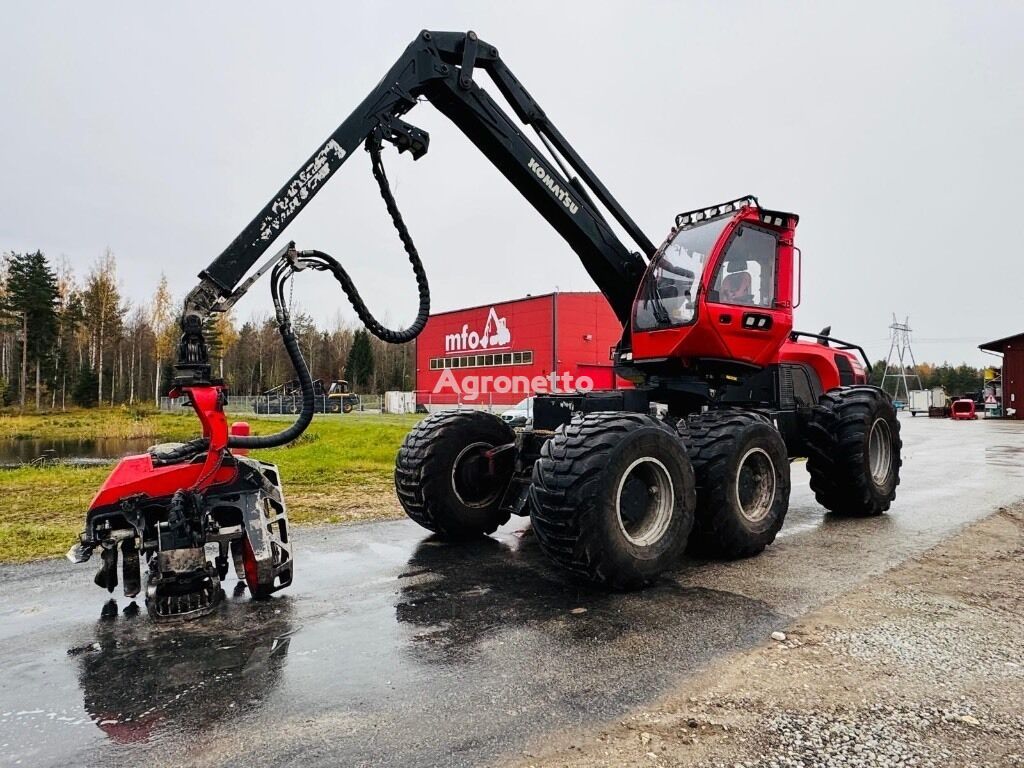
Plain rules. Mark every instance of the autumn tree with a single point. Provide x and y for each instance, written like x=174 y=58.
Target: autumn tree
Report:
x=161 y=320
x=104 y=316
x=226 y=335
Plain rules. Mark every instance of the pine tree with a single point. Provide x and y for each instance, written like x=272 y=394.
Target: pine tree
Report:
x=32 y=294
x=360 y=365
x=85 y=388
x=70 y=316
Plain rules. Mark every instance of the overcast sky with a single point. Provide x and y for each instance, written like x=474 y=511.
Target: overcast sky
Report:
x=893 y=129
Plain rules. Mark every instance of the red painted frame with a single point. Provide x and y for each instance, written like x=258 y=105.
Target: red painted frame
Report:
x=137 y=476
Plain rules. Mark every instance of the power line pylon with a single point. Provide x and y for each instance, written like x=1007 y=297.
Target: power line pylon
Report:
x=899 y=352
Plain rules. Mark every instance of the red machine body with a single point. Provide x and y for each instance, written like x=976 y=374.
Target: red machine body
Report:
x=138 y=476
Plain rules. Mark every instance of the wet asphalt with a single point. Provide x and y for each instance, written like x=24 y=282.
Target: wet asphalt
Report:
x=393 y=649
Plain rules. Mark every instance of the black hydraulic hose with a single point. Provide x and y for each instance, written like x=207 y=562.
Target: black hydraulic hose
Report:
x=291 y=345
x=321 y=261
x=329 y=264
x=178 y=453
x=297 y=427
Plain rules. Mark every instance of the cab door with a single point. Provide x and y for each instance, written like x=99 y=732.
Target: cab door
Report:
x=748 y=307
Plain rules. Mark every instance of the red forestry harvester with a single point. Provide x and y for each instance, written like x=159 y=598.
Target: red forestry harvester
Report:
x=617 y=483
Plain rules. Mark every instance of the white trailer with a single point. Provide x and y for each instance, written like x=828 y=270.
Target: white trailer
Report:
x=920 y=401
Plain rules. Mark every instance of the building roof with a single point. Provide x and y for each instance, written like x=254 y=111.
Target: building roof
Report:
x=527 y=297
x=1000 y=345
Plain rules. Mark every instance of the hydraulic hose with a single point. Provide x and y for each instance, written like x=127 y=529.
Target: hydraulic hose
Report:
x=321 y=261
x=297 y=427
x=291 y=344
x=294 y=430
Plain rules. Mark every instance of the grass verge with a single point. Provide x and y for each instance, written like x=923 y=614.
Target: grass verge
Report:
x=338 y=471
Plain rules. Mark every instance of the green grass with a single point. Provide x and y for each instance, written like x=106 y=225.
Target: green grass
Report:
x=338 y=471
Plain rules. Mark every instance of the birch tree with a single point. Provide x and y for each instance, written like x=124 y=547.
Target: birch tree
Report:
x=161 y=319
x=104 y=313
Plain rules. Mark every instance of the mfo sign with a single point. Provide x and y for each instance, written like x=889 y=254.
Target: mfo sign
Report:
x=495 y=335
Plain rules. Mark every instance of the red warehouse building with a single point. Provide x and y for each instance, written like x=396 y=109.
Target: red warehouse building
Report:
x=1012 y=350
x=497 y=354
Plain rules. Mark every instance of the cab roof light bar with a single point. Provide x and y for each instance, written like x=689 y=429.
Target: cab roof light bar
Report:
x=692 y=218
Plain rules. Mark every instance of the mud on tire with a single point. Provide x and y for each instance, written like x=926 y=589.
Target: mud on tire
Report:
x=854 y=451
x=742 y=471
x=612 y=498
x=440 y=478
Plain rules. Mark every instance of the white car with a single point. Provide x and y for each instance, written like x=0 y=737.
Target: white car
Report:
x=520 y=414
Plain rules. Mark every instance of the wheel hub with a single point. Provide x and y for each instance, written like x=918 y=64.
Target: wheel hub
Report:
x=472 y=480
x=755 y=485
x=644 y=501
x=880 y=452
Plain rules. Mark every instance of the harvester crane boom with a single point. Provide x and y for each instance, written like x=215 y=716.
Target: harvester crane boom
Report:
x=439 y=66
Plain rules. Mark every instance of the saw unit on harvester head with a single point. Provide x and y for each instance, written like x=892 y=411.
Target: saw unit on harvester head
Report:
x=618 y=483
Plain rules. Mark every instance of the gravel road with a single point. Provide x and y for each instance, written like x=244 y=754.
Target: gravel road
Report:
x=922 y=667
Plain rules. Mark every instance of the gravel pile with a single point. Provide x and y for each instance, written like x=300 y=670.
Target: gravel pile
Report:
x=943 y=650
x=938 y=640
x=925 y=668
x=883 y=736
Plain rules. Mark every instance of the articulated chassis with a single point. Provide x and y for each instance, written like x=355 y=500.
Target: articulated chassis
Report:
x=618 y=483
x=769 y=391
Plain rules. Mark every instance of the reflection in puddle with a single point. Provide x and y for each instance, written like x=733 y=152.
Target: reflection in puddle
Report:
x=459 y=599
x=138 y=677
x=1005 y=456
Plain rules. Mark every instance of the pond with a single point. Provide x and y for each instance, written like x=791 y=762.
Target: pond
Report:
x=100 y=451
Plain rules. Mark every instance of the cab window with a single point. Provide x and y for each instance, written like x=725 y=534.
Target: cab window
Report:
x=746 y=274
x=668 y=296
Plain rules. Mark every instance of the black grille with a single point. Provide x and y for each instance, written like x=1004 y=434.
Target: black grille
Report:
x=786 y=397
x=846 y=376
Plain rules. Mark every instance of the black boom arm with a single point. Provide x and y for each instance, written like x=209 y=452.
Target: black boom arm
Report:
x=439 y=67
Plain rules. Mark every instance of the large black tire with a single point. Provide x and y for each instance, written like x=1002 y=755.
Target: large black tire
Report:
x=854 y=451
x=742 y=470
x=440 y=477
x=612 y=498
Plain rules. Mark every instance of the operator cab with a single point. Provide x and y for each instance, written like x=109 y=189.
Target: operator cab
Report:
x=720 y=287
x=338 y=387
